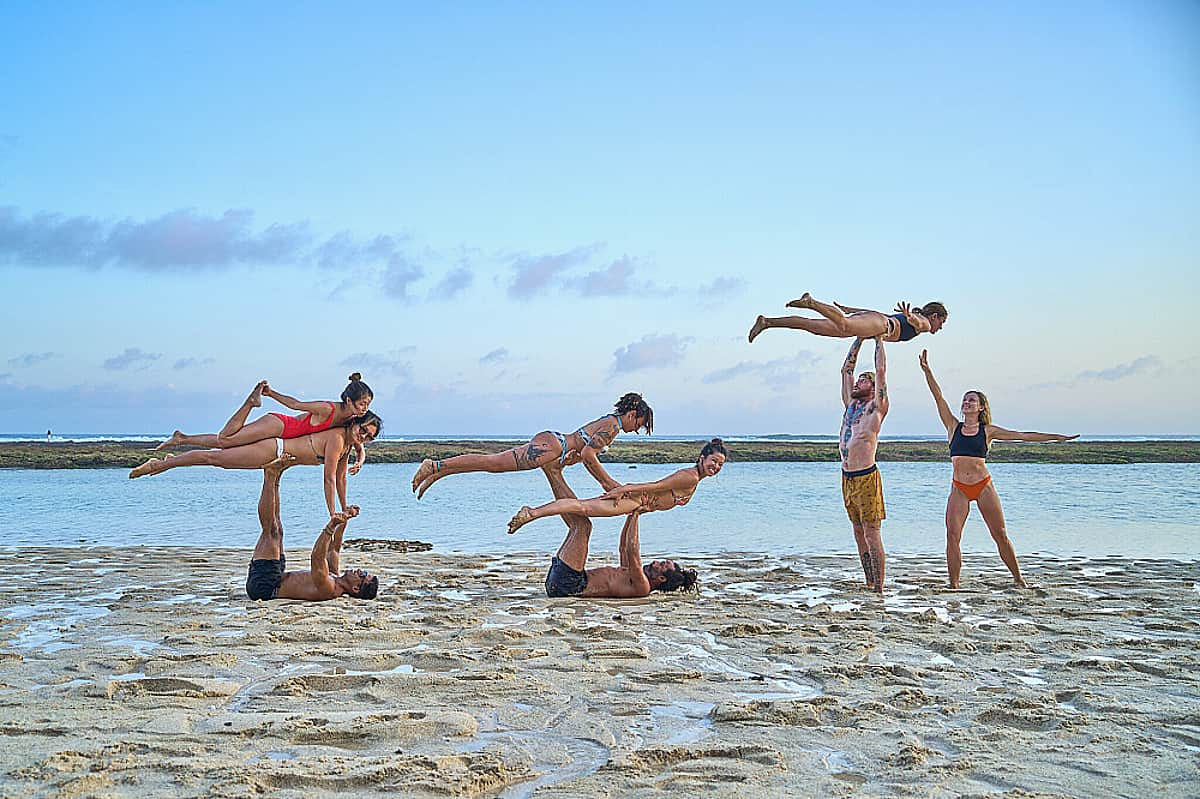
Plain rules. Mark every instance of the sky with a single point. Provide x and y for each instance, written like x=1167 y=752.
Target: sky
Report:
x=505 y=216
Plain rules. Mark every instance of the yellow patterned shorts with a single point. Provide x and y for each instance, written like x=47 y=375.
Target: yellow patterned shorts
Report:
x=863 y=494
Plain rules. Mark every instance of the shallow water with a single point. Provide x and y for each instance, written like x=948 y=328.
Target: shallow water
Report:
x=1136 y=510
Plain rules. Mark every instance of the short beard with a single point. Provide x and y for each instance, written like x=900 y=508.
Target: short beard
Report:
x=861 y=393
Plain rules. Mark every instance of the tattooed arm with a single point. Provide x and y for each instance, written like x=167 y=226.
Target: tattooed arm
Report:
x=881 y=401
x=848 y=371
x=590 y=455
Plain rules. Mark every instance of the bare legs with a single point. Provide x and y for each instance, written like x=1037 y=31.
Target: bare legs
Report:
x=236 y=432
x=249 y=456
x=592 y=508
x=542 y=449
x=836 y=324
x=270 y=542
x=574 y=549
x=957 y=509
x=868 y=538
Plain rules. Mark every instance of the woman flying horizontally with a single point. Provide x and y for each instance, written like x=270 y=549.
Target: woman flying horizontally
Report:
x=313 y=418
x=969 y=442
x=673 y=491
x=330 y=448
x=585 y=444
x=840 y=321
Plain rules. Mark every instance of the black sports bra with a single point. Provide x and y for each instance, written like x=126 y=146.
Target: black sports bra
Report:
x=972 y=446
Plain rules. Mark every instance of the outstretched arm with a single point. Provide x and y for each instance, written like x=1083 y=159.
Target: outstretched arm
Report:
x=949 y=420
x=631 y=557
x=848 y=371
x=590 y=455
x=881 y=401
x=335 y=472
x=318 y=572
x=682 y=480
x=917 y=320
x=333 y=557
x=320 y=407
x=997 y=433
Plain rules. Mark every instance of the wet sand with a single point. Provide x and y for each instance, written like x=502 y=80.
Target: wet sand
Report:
x=146 y=672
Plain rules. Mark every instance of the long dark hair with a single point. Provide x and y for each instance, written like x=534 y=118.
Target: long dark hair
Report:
x=634 y=402
x=677 y=579
x=370 y=417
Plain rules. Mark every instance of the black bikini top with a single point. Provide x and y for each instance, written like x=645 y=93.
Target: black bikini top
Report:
x=972 y=446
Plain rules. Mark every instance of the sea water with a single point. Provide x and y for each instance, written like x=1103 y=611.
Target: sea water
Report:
x=1134 y=510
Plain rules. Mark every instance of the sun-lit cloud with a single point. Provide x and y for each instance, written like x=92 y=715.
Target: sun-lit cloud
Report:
x=393 y=363
x=651 y=352
x=612 y=281
x=534 y=273
x=1143 y=365
x=723 y=286
x=132 y=358
x=32 y=358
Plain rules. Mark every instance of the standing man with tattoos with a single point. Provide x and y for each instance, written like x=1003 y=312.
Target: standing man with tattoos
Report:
x=866 y=402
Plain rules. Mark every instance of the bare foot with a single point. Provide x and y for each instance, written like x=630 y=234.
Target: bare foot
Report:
x=1020 y=581
x=760 y=324
x=176 y=440
x=151 y=466
x=426 y=468
x=805 y=301
x=281 y=463
x=523 y=517
x=255 y=398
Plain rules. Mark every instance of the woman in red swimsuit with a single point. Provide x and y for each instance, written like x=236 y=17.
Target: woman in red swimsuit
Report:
x=969 y=442
x=329 y=448
x=673 y=491
x=314 y=417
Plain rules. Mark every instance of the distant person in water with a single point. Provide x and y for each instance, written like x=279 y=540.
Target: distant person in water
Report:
x=971 y=482
x=568 y=575
x=585 y=444
x=313 y=418
x=47 y=436
x=329 y=448
x=673 y=491
x=268 y=577
x=841 y=321
x=866 y=401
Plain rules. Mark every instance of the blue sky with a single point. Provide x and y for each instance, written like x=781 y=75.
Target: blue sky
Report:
x=506 y=216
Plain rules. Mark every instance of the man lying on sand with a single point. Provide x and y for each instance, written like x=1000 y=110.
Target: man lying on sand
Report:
x=568 y=577
x=268 y=578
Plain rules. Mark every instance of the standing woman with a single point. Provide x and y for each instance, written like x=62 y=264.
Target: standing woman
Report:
x=631 y=413
x=329 y=448
x=969 y=442
x=313 y=418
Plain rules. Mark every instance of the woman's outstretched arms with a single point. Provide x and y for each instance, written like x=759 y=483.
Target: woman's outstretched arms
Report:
x=682 y=480
x=319 y=407
x=997 y=433
x=947 y=416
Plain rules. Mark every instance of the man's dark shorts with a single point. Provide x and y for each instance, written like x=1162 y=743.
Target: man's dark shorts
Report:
x=265 y=577
x=562 y=580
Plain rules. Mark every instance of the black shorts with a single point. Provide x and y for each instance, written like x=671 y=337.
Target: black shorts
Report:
x=562 y=580
x=265 y=577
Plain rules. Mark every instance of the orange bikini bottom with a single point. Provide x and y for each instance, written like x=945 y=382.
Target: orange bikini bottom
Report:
x=972 y=490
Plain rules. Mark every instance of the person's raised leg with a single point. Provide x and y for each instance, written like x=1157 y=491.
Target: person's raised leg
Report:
x=249 y=456
x=270 y=541
x=225 y=438
x=993 y=515
x=541 y=450
x=820 y=327
x=238 y=420
x=958 y=507
x=592 y=508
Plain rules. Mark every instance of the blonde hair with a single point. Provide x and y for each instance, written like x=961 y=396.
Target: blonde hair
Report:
x=870 y=375
x=985 y=410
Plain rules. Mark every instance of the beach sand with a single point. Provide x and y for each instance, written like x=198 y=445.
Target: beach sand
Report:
x=146 y=672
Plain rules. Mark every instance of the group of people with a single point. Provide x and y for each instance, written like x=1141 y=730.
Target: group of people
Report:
x=865 y=398
x=329 y=433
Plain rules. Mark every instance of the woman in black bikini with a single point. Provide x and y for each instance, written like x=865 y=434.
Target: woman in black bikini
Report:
x=585 y=444
x=841 y=321
x=673 y=491
x=969 y=442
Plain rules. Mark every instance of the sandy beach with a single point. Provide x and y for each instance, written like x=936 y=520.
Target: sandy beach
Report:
x=146 y=672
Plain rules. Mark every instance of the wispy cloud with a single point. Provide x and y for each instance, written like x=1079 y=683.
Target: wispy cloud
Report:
x=722 y=287
x=393 y=362
x=399 y=273
x=32 y=358
x=780 y=372
x=535 y=273
x=1138 y=366
x=649 y=353
x=132 y=358
x=453 y=284
x=190 y=363
x=612 y=281
x=495 y=356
